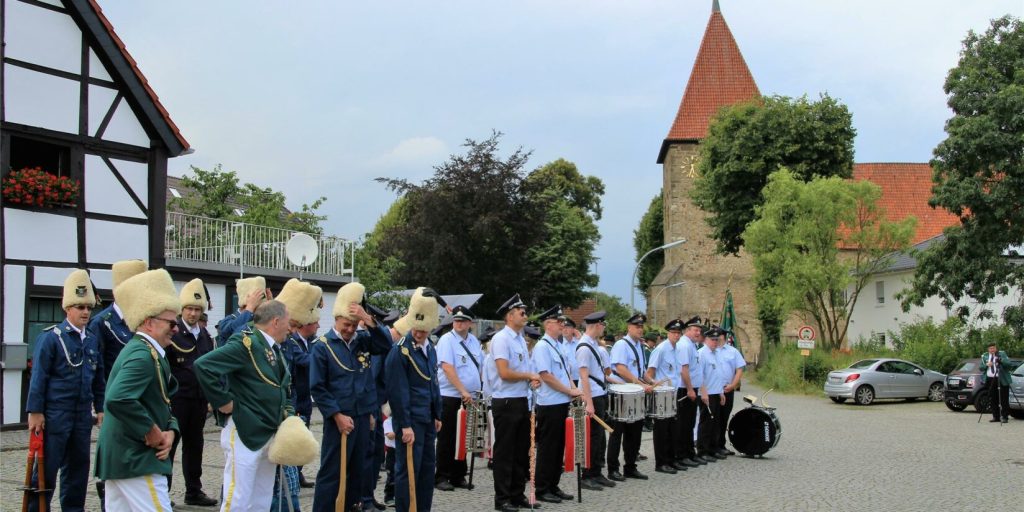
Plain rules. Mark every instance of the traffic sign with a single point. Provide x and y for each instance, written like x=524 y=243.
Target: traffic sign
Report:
x=806 y=344
x=805 y=352
x=805 y=332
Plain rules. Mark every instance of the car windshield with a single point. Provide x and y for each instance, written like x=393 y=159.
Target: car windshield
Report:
x=860 y=365
x=968 y=366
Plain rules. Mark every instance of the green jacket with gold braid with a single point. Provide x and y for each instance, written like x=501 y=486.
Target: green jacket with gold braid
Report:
x=1005 y=368
x=138 y=397
x=249 y=372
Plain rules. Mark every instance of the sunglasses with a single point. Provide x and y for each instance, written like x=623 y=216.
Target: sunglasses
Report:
x=82 y=307
x=172 y=323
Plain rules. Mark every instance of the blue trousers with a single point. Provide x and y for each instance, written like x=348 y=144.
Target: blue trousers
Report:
x=326 y=489
x=66 y=447
x=424 y=462
x=375 y=455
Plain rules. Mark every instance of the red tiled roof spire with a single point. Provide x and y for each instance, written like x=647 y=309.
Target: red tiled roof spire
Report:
x=720 y=77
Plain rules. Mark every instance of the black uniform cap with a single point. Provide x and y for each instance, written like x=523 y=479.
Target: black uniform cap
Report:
x=637 y=319
x=487 y=335
x=391 y=317
x=551 y=314
x=714 y=331
x=378 y=314
x=675 y=325
x=568 y=321
x=512 y=303
x=532 y=330
x=693 y=321
x=596 y=317
x=461 y=313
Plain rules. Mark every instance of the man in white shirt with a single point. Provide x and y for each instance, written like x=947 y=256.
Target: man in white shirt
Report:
x=552 y=406
x=459 y=376
x=734 y=363
x=628 y=363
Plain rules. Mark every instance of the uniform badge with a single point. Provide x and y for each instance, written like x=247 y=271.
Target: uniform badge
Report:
x=197 y=296
x=80 y=291
x=463 y=359
x=520 y=358
x=270 y=356
x=405 y=351
x=181 y=360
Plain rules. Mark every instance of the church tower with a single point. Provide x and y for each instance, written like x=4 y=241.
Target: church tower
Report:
x=719 y=78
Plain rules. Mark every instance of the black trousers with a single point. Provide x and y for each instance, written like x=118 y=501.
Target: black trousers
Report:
x=511 y=452
x=550 y=446
x=597 y=440
x=449 y=469
x=707 y=432
x=999 y=397
x=686 y=419
x=626 y=436
x=664 y=444
x=191 y=415
x=723 y=422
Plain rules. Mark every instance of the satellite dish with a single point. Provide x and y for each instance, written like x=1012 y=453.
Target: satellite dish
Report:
x=301 y=250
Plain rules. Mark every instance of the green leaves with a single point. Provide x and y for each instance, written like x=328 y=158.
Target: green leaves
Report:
x=648 y=235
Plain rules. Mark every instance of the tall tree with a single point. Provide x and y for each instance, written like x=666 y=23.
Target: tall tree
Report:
x=561 y=261
x=745 y=143
x=561 y=179
x=648 y=235
x=979 y=173
x=378 y=272
x=817 y=244
x=618 y=312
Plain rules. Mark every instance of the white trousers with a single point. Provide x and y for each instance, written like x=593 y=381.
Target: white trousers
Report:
x=248 y=475
x=140 y=494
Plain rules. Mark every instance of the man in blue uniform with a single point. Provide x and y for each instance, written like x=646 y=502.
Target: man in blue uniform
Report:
x=189 y=405
x=415 y=400
x=459 y=379
x=627 y=360
x=375 y=448
x=509 y=405
x=594 y=370
x=252 y=291
x=571 y=339
x=108 y=325
x=553 y=397
x=734 y=364
x=67 y=385
x=715 y=374
x=663 y=367
x=690 y=384
x=342 y=385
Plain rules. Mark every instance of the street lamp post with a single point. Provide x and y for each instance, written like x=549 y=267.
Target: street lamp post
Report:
x=661 y=291
x=632 y=282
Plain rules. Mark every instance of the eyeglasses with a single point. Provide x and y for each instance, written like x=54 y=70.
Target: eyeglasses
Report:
x=172 y=323
x=82 y=307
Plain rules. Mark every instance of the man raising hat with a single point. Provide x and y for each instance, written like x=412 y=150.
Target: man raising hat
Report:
x=67 y=384
x=252 y=291
x=134 y=445
x=459 y=379
x=627 y=360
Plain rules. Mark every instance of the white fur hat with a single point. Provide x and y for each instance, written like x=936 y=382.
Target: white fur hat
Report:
x=303 y=301
x=124 y=269
x=422 y=315
x=294 y=444
x=78 y=290
x=146 y=295
x=194 y=294
x=351 y=293
x=248 y=285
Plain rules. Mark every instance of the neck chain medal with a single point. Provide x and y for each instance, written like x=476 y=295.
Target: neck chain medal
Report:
x=248 y=346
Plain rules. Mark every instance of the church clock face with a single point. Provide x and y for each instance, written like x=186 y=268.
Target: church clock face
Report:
x=689 y=166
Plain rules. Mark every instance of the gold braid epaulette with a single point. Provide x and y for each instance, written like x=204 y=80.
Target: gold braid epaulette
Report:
x=183 y=351
x=405 y=352
x=248 y=346
x=159 y=373
x=335 y=356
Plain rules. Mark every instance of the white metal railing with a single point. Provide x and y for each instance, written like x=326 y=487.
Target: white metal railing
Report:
x=250 y=246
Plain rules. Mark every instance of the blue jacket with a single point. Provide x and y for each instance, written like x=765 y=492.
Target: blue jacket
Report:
x=70 y=380
x=296 y=354
x=412 y=384
x=231 y=324
x=111 y=334
x=340 y=379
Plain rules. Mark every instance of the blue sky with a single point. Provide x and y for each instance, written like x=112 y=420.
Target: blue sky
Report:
x=319 y=97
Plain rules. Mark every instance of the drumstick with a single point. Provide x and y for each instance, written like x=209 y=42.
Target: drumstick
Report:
x=602 y=423
x=339 y=502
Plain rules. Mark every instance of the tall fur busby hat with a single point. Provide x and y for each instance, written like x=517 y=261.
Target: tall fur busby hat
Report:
x=351 y=293
x=248 y=285
x=145 y=295
x=194 y=293
x=294 y=444
x=303 y=301
x=78 y=290
x=422 y=314
x=124 y=269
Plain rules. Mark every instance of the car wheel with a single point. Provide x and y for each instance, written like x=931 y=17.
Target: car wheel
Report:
x=838 y=399
x=864 y=395
x=955 y=407
x=936 y=392
x=1017 y=414
x=981 y=402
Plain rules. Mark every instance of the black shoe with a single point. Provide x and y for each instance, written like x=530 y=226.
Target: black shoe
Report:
x=303 y=483
x=701 y=461
x=723 y=452
x=994 y=420
x=679 y=466
x=689 y=462
x=615 y=475
x=200 y=500
x=390 y=501
x=591 y=485
x=378 y=505
x=444 y=486
x=719 y=456
x=641 y=457
x=522 y=502
x=632 y=473
x=665 y=468
x=707 y=457
x=549 y=498
x=463 y=485
x=507 y=507
x=562 y=495
x=728 y=451
x=600 y=479
x=1006 y=419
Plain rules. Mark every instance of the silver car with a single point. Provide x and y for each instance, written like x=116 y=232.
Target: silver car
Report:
x=1017 y=393
x=871 y=379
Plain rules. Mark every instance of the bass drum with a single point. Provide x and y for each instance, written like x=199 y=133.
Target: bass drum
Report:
x=755 y=430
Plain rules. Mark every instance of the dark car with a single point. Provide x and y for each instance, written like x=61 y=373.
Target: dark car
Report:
x=963 y=386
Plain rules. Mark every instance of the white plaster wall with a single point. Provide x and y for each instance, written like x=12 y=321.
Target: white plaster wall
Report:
x=41 y=36
x=96 y=68
x=100 y=99
x=125 y=127
x=50 y=276
x=37 y=99
x=107 y=242
x=38 y=236
x=12 y=396
x=14 y=304
x=137 y=176
x=104 y=193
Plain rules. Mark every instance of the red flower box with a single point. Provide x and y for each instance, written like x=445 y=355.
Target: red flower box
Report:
x=36 y=187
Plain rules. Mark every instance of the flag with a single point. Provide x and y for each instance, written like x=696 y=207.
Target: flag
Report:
x=729 y=320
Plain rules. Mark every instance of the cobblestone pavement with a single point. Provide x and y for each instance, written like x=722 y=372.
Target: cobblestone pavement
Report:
x=887 y=456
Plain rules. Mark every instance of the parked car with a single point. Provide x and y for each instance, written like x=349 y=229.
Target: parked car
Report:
x=1017 y=393
x=963 y=386
x=871 y=379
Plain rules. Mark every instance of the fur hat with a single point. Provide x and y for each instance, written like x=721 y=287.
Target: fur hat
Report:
x=124 y=269
x=145 y=295
x=194 y=294
x=303 y=301
x=351 y=293
x=248 y=285
x=78 y=290
x=422 y=315
x=294 y=444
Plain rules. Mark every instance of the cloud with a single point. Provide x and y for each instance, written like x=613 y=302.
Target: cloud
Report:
x=413 y=152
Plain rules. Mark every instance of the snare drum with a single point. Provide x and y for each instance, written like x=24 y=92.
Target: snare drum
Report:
x=755 y=430
x=662 y=403
x=626 y=402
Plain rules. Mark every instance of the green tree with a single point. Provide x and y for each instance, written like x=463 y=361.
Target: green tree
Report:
x=377 y=272
x=747 y=142
x=648 y=235
x=561 y=179
x=561 y=262
x=816 y=245
x=211 y=193
x=618 y=312
x=979 y=174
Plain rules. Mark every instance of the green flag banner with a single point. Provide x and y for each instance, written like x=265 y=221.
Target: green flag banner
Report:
x=729 y=320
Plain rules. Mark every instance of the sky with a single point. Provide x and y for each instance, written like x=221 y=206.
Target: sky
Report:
x=320 y=97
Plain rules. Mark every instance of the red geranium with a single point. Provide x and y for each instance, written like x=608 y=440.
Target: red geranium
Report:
x=36 y=187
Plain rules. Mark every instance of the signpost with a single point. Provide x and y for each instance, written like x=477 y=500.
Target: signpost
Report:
x=805 y=341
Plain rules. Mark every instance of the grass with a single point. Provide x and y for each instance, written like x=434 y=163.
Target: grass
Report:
x=786 y=371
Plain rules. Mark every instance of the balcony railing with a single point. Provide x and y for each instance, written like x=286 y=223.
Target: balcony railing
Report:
x=249 y=246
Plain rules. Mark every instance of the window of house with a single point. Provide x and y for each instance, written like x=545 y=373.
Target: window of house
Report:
x=880 y=292
x=42 y=313
x=175 y=193
x=878 y=337
x=30 y=153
